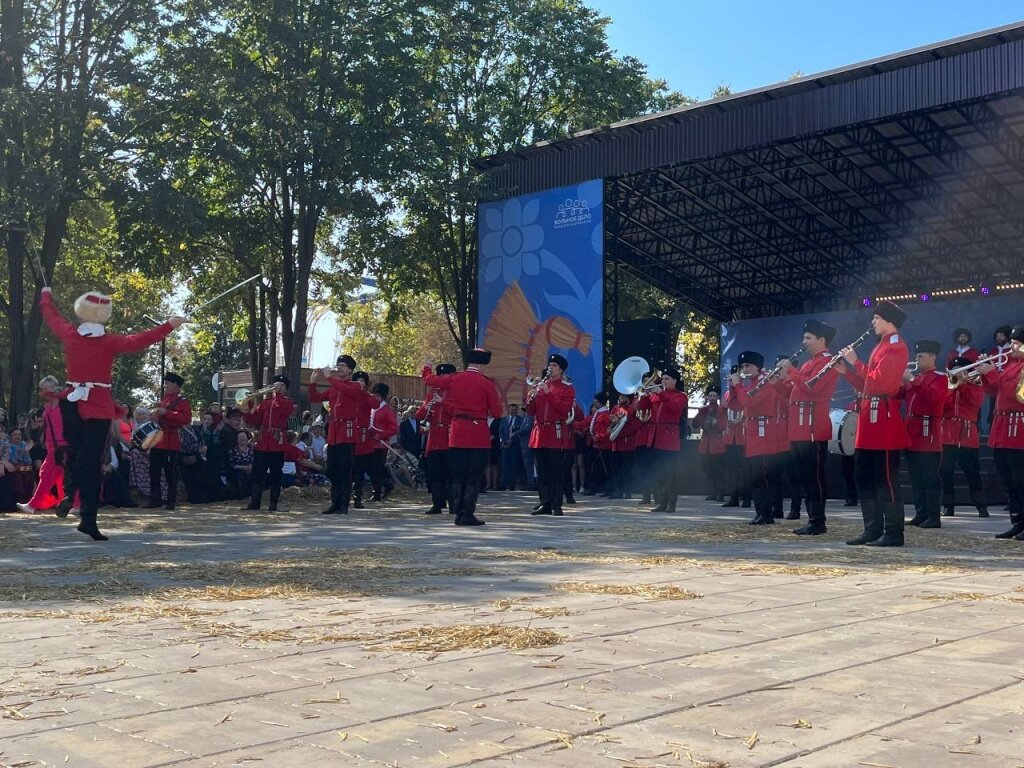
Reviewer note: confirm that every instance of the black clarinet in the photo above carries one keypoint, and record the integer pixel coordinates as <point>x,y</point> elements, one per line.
<point>838,358</point>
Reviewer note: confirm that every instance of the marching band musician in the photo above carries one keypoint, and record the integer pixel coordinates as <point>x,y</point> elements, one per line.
<point>473,398</point>
<point>270,417</point>
<point>809,425</point>
<point>880,430</point>
<point>87,405</point>
<point>362,453</point>
<point>643,439</point>
<point>343,395</point>
<point>1007,435</point>
<point>550,405</point>
<point>569,455</point>
<point>437,414</point>
<point>383,426</point>
<point>734,463</point>
<point>762,438</point>
<point>597,426</point>
<point>924,391</point>
<point>711,421</point>
<point>788,469</point>
<point>1001,337</point>
<point>623,449</point>
<point>960,438</point>
<point>173,413</point>
<point>668,406</point>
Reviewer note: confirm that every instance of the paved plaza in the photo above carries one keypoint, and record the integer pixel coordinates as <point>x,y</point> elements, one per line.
<point>610,637</point>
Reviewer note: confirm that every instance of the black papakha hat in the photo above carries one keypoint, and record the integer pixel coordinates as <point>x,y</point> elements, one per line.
<point>928,347</point>
<point>478,357</point>
<point>820,329</point>
<point>751,357</point>
<point>890,313</point>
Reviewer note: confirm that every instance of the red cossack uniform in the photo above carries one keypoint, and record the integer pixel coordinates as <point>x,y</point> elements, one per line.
<point>1008,422</point>
<point>569,436</point>
<point>667,410</point>
<point>970,353</point>
<point>344,398</point>
<point>879,424</point>
<point>712,422</point>
<point>1000,363</point>
<point>808,417</point>
<point>763,431</point>
<point>364,444</point>
<point>734,424</point>
<point>599,426</point>
<point>960,416</point>
<point>383,426</point>
<point>271,419</point>
<point>626,440</point>
<point>550,410</point>
<point>90,359</point>
<point>179,414</point>
<point>925,396</point>
<point>472,397</point>
<point>439,417</point>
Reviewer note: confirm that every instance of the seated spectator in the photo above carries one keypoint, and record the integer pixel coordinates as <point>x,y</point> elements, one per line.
<point>212,459</point>
<point>7,500</point>
<point>306,443</point>
<point>116,477</point>
<point>240,462</point>
<point>23,475</point>
<point>229,429</point>
<point>318,442</point>
<point>35,438</point>
<point>215,411</point>
<point>298,468</point>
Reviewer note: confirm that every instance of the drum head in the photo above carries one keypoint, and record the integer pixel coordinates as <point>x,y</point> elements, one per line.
<point>844,432</point>
<point>153,439</point>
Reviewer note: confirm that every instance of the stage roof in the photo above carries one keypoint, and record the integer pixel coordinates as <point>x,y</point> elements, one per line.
<point>900,175</point>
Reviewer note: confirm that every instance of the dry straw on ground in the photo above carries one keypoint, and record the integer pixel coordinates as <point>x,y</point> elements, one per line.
<point>650,591</point>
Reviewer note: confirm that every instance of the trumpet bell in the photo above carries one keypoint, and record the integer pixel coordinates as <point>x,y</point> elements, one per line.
<point>628,377</point>
<point>241,395</point>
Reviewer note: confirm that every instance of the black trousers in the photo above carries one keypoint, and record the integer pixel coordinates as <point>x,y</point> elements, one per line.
<point>736,470</point>
<point>162,460</point>
<point>808,459</point>
<point>878,488</point>
<point>599,470</point>
<point>711,463</point>
<point>87,465</point>
<point>377,472</point>
<point>266,471</point>
<point>925,481</point>
<point>436,467</point>
<point>793,474</point>
<point>550,476</point>
<point>663,464</point>
<point>1010,466</point>
<point>642,475</point>
<point>765,477</point>
<point>623,474</point>
<point>465,472</point>
<point>969,462</point>
<point>568,459</point>
<point>339,472</point>
<point>849,479</point>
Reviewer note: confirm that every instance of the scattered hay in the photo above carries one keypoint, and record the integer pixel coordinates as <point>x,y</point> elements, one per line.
<point>552,612</point>
<point>471,636</point>
<point>650,591</point>
<point>520,604</point>
<point>956,596</point>
<point>793,570</point>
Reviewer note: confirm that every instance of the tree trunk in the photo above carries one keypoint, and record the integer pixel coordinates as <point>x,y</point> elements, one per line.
<point>16,312</point>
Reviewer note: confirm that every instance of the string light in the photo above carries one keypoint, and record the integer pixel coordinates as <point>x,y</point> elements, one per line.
<point>984,290</point>
<point>1009,286</point>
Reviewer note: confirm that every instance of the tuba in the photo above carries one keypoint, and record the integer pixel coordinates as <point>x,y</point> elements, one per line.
<point>634,376</point>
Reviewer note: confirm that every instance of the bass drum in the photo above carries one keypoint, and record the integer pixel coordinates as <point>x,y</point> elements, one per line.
<point>146,436</point>
<point>844,431</point>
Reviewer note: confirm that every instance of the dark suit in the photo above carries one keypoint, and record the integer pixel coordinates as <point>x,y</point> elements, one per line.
<point>510,434</point>
<point>410,436</point>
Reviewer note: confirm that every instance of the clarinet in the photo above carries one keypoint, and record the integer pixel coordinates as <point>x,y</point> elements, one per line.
<point>838,358</point>
<point>773,372</point>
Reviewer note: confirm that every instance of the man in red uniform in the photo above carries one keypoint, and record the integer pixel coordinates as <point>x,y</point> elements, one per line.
<point>344,396</point>
<point>383,426</point>
<point>437,414</point>
<point>1007,435</point>
<point>88,407</point>
<point>881,434</point>
<point>734,464</point>
<point>173,414</point>
<point>668,407</point>
<point>363,452</point>
<point>623,448</point>
<point>960,440</point>
<point>762,434</point>
<point>550,405</point>
<point>809,425</point>
<point>711,422</point>
<point>597,425</point>
<point>473,398</point>
<point>924,392</point>
<point>961,347</point>
<point>271,419</point>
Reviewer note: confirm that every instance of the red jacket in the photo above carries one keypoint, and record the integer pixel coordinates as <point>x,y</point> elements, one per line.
<point>550,410</point>
<point>472,397</point>
<point>925,395</point>
<point>344,398</point>
<point>626,440</point>
<point>763,428</point>
<point>733,434</point>
<point>383,426</point>
<point>91,358</point>
<point>439,417</point>
<point>809,405</point>
<point>271,419</point>
<point>711,421</point>
<point>364,443</point>
<point>879,424</point>
<point>600,424</point>
<point>970,353</point>
<point>667,411</point>
<point>179,414</point>
<point>960,415</point>
<point>1008,423</point>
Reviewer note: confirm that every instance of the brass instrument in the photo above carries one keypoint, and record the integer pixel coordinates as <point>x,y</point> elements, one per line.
<point>912,367</point>
<point>955,376</point>
<point>837,359</point>
<point>534,383</point>
<point>1020,388</point>
<point>244,395</point>
<point>773,372</point>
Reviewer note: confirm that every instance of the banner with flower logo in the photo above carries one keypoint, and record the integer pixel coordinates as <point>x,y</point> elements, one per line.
<point>542,286</point>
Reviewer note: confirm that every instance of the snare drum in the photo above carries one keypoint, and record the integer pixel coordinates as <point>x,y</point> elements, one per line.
<point>147,436</point>
<point>844,431</point>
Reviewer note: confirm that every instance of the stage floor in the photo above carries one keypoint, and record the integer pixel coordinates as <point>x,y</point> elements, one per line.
<point>212,637</point>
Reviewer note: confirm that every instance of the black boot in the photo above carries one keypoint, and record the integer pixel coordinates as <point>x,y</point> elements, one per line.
<point>670,507</point>
<point>88,525</point>
<point>892,526</point>
<point>556,499</point>
<point>814,528</point>
<point>256,496</point>
<point>978,499</point>
<point>871,512</point>
<point>1016,521</point>
<point>949,511</point>
<point>645,500</point>
<point>732,501</point>
<point>932,506</point>
<point>275,494</point>
<point>660,503</point>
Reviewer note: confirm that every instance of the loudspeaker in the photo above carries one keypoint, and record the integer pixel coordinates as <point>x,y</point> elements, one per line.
<point>648,338</point>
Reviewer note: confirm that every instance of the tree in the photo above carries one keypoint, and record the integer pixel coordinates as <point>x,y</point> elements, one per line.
<point>501,74</point>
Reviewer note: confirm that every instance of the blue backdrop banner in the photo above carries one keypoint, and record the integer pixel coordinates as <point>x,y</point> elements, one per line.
<point>542,286</point>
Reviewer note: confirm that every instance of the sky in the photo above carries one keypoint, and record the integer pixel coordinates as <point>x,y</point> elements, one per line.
<point>697,45</point>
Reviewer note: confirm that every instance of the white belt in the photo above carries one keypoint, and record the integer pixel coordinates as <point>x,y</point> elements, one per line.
<point>82,388</point>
